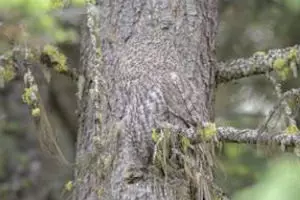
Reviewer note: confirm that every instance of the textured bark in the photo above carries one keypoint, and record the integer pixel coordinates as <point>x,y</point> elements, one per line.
<point>157,67</point>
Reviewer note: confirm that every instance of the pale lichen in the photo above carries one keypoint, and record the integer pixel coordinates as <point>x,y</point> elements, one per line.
<point>154,135</point>
<point>57,4</point>
<point>7,72</point>
<point>36,112</point>
<point>69,186</point>
<point>279,64</point>
<point>29,95</point>
<point>186,143</point>
<point>281,67</point>
<point>292,129</point>
<point>286,65</point>
<point>57,59</point>
<point>208,131</point>
<point>100,192</point>
<point>99,52</point>
<point>292,54</point>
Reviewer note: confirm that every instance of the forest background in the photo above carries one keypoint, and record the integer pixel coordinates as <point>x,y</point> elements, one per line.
<point>245,28</point>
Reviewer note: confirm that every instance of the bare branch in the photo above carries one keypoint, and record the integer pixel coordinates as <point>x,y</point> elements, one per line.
<point>259,63</point>
<point>230,134</point>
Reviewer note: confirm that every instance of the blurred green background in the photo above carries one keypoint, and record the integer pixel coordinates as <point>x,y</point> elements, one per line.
<point>249,171</point>
<point>245,171</point>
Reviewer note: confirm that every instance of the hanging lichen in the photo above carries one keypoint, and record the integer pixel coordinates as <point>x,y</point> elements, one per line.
<point>287,65</point>
<point>7,70</point>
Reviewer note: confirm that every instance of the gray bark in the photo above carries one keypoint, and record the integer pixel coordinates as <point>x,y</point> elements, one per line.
<point>157,67</point>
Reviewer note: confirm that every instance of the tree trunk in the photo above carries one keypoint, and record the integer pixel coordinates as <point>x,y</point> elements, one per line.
<point>157,69</point>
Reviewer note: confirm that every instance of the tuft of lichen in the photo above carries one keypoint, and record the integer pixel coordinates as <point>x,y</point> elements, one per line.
<point>279,64</point>
<point>100,192</point>
<point>281,67</point>
<point>69,186</point>
<point>36,112</point>
<point>287,65</point>
<point>98,52</point>
<point>292,129</point>
<point>208,131</point>
<point>186,143</point>
<point>7,72</point>
<point>154,135</point>
<point>57,59</point>
<point>26,96</point>
<point>29,96</point>
<point>292,54</point>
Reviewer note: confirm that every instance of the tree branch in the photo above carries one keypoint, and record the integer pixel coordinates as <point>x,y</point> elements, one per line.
<point>259,63</point>
<point>252,136</point>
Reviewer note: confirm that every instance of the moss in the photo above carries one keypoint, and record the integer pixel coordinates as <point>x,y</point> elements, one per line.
<point>100,192</point>
<point>284,66</point>
<point>7,72</point>
<point>98,52</point>
<point>279,64</point>
<point>291,130</point>
<point>69,186</point>
<point>27,95</point>
<point>281,67</point>
<point>208,131</point>
<point>292,54</point>
<point>58,59</point>
<point>36,112</point>
<point>154,135</point>
<point>185,142</point>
